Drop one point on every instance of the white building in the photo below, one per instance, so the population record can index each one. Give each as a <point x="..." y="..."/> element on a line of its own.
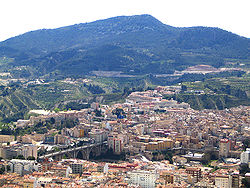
<point x="145" y="179"/>
<point x="222" y="181"/>
<point x="106" y="168"/>
<point x="98" y="135"/>
<point x="22" y="123"/>
<point x="68" y="172"/>
<point x="43" y="181"/>
<point x="245" y="156"/>
<point x="22" y="166"/>
<point x="227" y="181"/>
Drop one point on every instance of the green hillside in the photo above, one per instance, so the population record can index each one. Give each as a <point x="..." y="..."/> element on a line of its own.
<point x="132" y="44"/>
<point x="218" y="93"/>
<point x="16" y="100"/>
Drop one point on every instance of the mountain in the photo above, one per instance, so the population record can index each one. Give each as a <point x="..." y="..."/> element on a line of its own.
<point x="118" y="29"/>
<point x="137" y="44"/>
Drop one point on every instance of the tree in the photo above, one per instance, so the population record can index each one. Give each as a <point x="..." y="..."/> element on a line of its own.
<point x="245" y="182"/>
<point x="8" y="168"/>
<point x="6" y="130"/>
<point x="119" y="112"/>
<point x="56" y="149"/>
<point x="169" y="156"/>
<point x="208" y="156"/>
<point x="31" y="158"/>
<point x="126" y="91"/>
<point x="65" y="157"/>
<point x="52" y="120"/>
<point x="69" y="123"/>
<point x="98" y="113"/>
<point x="56" y="110"/>
<point x="2" y="170"/>
<point x="246" y="144"/>
<point x="244" y="168"/>
<point x="206" y="159"/>
<point x="183" y="88"/>
<point x="95" y="89"/>
<point x="228" y="89"/>
<point x="20" y="157"/>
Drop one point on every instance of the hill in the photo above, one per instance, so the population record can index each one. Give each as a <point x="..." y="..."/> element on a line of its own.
<point x="132" y="44"/>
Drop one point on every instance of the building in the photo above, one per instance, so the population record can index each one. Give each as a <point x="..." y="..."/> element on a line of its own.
<point x="227" y="181"/>
<point x="22" y="123"/>
<point x="76" y="168"/>
<point x="115" y="144"/>
<point x="235" y="179"/>
<point x="60" y="171"/>
<point x="29" y="139"/>
<point x="46" y="165"/>
<point x="245" y="156"/>
<point x="22" y="167"/>
<point x="26" y="139"/>
<point x="81" y="133"/>
<point x="48" y="139"/>
<point x="28" y="183"/>
<point x="98" y="135"/>
<point x="224" y="148"/>
<point x="29" y="151"/>
<point x="95" y="106"/>
<point x="145" y="179"/>
<point x="75" y="132"/>
<point x="159" y="144"/>
<point x="59" y="139"/>
<point x="43" y="181"/>
<point x="195" y="172"/>
<point x="222" y="181"/>
<point x="168" y="177"/>
<point x="6" y="138"/>
<point x="9" y="152"/>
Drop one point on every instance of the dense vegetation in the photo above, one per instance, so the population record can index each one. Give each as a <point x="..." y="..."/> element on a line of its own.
<point x="110" y="156"/>
<point x="16" y="100"/>
<point x="39" y="127"/>
<point x="131" y="44"/>
<point x="219" y="93"/>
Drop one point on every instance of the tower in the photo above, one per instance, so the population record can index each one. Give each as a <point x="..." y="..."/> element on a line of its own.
<point x="224" y="148"/>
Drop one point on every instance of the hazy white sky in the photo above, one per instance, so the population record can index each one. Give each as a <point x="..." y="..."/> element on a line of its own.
<point x="20" y="16"/>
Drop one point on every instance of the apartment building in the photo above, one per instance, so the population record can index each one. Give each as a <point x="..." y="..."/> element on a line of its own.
<point x="145" y="179"/>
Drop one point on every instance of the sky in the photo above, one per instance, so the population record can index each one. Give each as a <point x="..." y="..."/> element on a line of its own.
<point x="20" y="16"/>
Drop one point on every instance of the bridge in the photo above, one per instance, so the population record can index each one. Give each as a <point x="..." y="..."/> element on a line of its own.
<point x="82" y="152"/>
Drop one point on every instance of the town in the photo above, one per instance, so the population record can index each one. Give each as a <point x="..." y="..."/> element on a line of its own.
<point x="147" y="141"/>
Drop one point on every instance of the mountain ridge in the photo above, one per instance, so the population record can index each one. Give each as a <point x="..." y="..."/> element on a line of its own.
<point x="148" y="21"/>
<point x="98" y="27"/>
<point x="124" y="43"/>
